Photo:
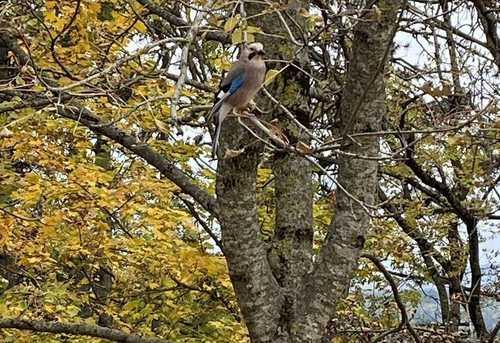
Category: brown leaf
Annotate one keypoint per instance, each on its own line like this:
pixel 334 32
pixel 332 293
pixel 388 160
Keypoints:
pixel 304 148
pixel 230 153
pixel 5 132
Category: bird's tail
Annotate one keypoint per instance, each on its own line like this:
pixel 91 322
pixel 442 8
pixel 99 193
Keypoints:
pixel 219 115
pixel 215 109
pixel 215 142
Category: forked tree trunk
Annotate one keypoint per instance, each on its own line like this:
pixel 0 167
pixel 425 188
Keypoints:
pixel 293 298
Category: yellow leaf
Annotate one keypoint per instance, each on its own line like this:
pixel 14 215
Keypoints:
pixel 51 16
pixel 304 12
pixel 271 74
pixel 250 38
pixel 253 29
pixel 20 80
pixel 140 27
pixel 304 148
pixel 237 36
pixel 161 126
pixel 72 311
pixel 32 178
pixel 231 24
pixel 39 88
pixel 94 7
pixel 64 81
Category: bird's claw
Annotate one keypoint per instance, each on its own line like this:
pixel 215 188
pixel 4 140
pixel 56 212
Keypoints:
pixel 252 105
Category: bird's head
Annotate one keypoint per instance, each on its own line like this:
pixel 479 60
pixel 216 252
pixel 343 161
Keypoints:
pixel 255 49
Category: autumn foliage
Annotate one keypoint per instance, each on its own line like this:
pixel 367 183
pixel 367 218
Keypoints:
pixel 110 212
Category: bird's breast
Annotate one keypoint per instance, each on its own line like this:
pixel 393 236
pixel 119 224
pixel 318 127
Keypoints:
pixel 253 81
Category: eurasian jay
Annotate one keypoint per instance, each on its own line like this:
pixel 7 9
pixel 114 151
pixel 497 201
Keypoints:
pixel 240 85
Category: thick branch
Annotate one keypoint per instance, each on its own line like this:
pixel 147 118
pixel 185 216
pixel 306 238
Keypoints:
pixel 363 97
pixel 77 329
pixel 166 167
pixel 245 251
pixel 439 186
pixel 35 103
pixel 489 22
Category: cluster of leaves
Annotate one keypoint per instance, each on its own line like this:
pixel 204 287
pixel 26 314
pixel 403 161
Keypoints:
pixel 89 241
pixel 87 230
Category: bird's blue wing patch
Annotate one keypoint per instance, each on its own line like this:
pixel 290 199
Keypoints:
pixel 236 83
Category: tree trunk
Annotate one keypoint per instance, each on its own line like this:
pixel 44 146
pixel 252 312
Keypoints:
pixel 362 108
pixel 457 268
pixel 291 248
pixel 256 289
pixel 474 303
pixel 292 300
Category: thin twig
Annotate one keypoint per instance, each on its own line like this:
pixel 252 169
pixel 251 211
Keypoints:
pixel 203 224
pixel 285 24
pixel 286 146
pixel 117 64
pixel 404 315
pixel 17 216
pixel 184 59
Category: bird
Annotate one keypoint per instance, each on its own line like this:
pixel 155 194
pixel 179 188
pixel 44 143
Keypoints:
pixel 240 85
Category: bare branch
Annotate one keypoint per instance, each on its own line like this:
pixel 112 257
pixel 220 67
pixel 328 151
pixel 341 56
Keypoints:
pixel 402 309
pixel 489 22
pixel 184 60
pixel 77 329
pixel 219 36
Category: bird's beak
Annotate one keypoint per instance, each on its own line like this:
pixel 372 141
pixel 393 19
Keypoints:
pixel 262 52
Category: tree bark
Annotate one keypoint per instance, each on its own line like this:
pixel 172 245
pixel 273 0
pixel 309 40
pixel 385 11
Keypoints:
pixel 279 307
pixel 255 286
pixel 362 108
pixel 457 268
pixel 474 303
pixel 291 248
pixel 489 20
